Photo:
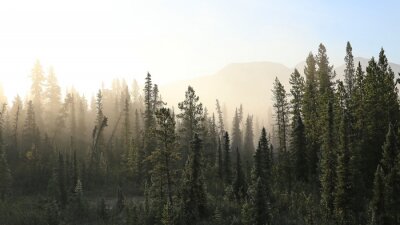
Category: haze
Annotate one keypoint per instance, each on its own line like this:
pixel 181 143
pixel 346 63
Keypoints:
pixel 88 42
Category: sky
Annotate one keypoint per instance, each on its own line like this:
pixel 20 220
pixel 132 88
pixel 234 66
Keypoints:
pixel 90 41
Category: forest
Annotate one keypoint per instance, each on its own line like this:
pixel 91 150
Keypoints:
pixel 126 157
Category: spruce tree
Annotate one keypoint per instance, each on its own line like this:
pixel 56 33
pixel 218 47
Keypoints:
pixel 221 127
pixel 61 181
pixel 194 202
pixel 298 149
pixel 53 100
pixel 281 106
pixel 239 183
pixel 191 117
pixel 236 132
pixel 248 145
pixel 38 79
pixel 343 190
pixel 377 204
pixel 227 160
pixel 328 162
pixel 349 73
pixel 5 174
pixel 163 159
pixel 381 102
pixel 220 166
pixel 310 113
pixel 31 131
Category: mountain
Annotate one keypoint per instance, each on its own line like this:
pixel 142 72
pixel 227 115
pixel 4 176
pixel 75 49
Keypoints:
pixel 249 84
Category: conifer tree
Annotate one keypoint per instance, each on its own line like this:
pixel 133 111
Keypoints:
pixel 377 204
pixel 53 97
pixel 221 127
pixel 149 118
pixel 281 106
pixel 164 158
pixel 343 190
pixel 227 160
pixel 310 113
pixel 298 149
pixel 220 166
pixel 236 132
pixel 38 79
pixel 248 146
pixel 194 202
pixel 239 183
pixel 191 117
pixel 31 131
pixel 380 100
pixel 5 173
pixel 327 177
pixel 349 73
pixel 61 179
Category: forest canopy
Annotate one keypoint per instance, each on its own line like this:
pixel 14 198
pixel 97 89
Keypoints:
pixel 127 157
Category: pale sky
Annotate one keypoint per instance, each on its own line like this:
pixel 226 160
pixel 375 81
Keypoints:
pixel 89 41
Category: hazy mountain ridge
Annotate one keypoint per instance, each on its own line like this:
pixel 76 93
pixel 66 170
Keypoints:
pixel 247 83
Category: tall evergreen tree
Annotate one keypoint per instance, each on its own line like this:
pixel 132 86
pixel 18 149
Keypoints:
pixel 53 100
pixel 164 158
pixel 31 134
pixel 248 145
pixel 377 204
pixel 236 132
pixel 191 116
pixel 380 100
pixel 343 190
pixel 5 173
pixel 349 72
pixel 328 162
pixel 221 127
pixel 281 106
pixel 194 202
pixel 227 160
pixel 239 183
pixel 310 112
pixel 38 79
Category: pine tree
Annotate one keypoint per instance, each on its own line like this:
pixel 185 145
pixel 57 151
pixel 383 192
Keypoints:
pixel 248 145
pixel 227 160
pixel 221 127
pixel 281 106
pixel 349 73
pixel 297 92
pixel 343 190
pixel 38 79
pixel 260 204
pixel 5 173
pixel 310 113
pixel 149 118
pixel 381 102
pixel 389 166
pixel 328 166
pixel 298 149
pixel 191 117
pixel 239 183
pixel 377 204
pixel 61 179
pixel 194 202
pixel 163 159
pixel 98 144
pixel 53 100
pixel 236 132
pixel 220 166
pixel 31 131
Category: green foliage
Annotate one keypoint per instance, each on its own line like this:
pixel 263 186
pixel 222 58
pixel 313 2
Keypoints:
pixel 227 160
pixel 194 202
